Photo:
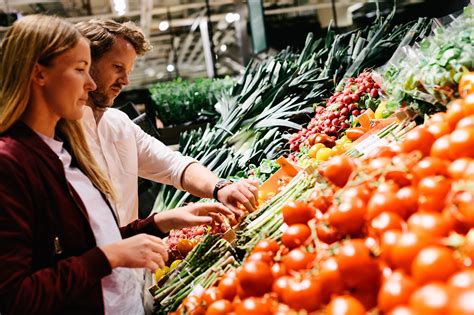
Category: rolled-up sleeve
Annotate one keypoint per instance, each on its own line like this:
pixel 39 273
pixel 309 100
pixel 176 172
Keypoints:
pixel 159 163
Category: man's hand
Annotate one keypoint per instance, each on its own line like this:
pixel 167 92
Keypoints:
pixel 191 215
pixel 244 192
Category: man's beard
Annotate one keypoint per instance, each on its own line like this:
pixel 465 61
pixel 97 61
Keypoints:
pixel 99 100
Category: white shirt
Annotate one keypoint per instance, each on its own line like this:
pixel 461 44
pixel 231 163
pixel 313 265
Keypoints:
pixel 121 295
pixel 124 152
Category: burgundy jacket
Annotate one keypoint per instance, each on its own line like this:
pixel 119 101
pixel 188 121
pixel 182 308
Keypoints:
pixel 49 262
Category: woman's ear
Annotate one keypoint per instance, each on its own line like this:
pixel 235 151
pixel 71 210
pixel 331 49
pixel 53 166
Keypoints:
pixel 39 75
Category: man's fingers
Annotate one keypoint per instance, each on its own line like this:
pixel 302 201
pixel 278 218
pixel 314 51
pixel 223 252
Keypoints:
pixel 248 197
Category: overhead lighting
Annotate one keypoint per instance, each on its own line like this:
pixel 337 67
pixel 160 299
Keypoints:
pixel 164 25
pixel 170 68
pixel 232 17
pixel 223 48
pixel 120 6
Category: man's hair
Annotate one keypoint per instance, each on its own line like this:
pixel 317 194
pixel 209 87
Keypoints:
pixel 102 33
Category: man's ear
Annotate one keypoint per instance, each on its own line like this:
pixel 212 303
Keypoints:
pixel 39 76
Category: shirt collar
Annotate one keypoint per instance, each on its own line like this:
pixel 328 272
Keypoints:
pixel 54 144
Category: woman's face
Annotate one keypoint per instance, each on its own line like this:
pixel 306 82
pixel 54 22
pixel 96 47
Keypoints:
pixel 67 82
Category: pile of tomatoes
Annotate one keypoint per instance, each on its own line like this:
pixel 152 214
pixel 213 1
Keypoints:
pixel 393 232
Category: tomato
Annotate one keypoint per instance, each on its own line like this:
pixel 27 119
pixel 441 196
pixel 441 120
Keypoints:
pixel 418 139
pixel 464 202
pixel 327 233
pixel 395 291
pixel 254 306
pixel 442 148
pixel 433 263
pixel 278 270
pixel 408 197
pixel 431 224
pixel 454 219
pixel 184 246
pixel 387 241
pixel 402 310
pixel 439 129
pixel 462 280
pixel 320 201
pixel 267 245
pixel 211 295
pixel 192 304
pixel 356 264
pixel 380 163
pixel 228 287
pixel 280 285
pixel 355 133
pixel 387 187
pixel 367 295
pixel 330 279
pixel 295 235
pixel 438 117
pixel 383 151
pixel 298 259
pixel 345 305
pixel 466 84
pixel 361 191
pixel 458 168
pixel 383 202
pixel 466 122
pixel 255 278
pixel 406 248
pixel 462 303
pixel 432 193
pixel 220 307
pixel 455 112
pixel 348 217
pixel 266 257
pixel 297 212
pixel 432 299
pixel 304 294
pixel 383 222
pixel 462 142
pixel 430 166
pixel 399 176
pixel 338 170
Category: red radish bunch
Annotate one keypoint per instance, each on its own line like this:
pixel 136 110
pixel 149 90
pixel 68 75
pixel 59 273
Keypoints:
pixel 334 118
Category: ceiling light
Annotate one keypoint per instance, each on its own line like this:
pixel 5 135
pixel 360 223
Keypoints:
pixel 164 25
pixel 120 6
pixel 232 17
pixel 223 47
pixel 170 68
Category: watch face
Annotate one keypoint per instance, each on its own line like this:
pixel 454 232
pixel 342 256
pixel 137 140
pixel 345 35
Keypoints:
pixel 222 183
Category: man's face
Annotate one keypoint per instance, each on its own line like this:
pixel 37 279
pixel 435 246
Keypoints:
pixel 111 71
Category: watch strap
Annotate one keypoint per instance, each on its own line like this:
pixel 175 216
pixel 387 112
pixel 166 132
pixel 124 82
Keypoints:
pixel 219 185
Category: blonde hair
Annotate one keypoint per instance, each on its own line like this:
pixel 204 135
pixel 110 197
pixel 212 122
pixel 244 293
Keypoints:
pixel 39 39
pixel 102 33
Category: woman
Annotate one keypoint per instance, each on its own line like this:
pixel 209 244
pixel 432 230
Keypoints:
pixel 61 251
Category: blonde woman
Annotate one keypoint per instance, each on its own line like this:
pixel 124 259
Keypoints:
pixel 61 250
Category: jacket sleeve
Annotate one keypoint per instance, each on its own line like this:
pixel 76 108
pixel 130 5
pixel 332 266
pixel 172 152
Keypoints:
pixel 157 162
pixel 146 226
pixel 22 289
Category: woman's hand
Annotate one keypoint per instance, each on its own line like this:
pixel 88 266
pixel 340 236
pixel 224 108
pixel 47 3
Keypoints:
pixel 139 251
pixel 192 215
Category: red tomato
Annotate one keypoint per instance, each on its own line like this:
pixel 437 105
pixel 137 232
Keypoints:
pixel 430 166
pixel 395 291
pixel 462 303
pixel 280 285
pixel 255 278
pixel 387 242
pixel 431 224
pixel 408 197
pixel 254 306
pixel 466 84
pixel 361 191
pixel 455 112
pixel 220 307
pixel 338 170
pixel 184 246
pixel 211 295
pixel 267 245
pixel 432 298
pixel 356 264
pixel 433 263
pixel 348 217
pixel 345 305
pixel 402 310
pixel 367 295
pixel 327 233
pixel 462 280
pixel 304 294
pixel 439 129
pixel 383 202
pixel 330 279
pixel 406 248
pixel 228 287
pixel 418 139
pixel 464 202
pixel 458 168
pixel 298 259
pixel 432 193
pixel 266 257
pixel 295 235
pixel 278 270
pixel 442 148
pixel 466 122
pixel 297 212
pixel 384 222
pixel 462 142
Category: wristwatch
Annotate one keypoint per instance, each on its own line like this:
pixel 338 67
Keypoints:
pixel 219 185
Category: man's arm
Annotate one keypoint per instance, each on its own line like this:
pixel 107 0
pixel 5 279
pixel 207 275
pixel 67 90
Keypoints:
pixel 200 181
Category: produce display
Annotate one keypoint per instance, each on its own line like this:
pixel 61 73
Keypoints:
pixel 377 216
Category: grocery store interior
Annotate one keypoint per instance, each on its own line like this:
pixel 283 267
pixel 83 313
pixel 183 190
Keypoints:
pixel 356 121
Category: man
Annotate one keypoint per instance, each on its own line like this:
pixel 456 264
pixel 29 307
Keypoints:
pixel 121 148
